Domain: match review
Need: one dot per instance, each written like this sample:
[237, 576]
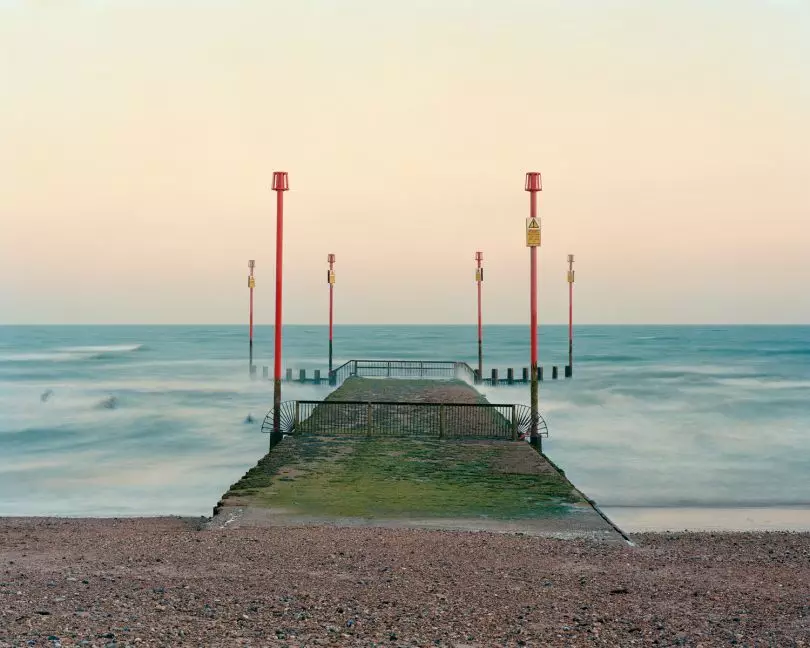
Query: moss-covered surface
[339, 477]
[314, 474]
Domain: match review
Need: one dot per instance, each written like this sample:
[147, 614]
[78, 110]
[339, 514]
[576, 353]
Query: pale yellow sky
[138, 140]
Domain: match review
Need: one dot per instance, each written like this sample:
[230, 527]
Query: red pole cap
[533, 181]
[280, 182]
[330, 258]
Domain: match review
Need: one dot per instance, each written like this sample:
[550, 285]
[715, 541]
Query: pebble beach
[173, 581]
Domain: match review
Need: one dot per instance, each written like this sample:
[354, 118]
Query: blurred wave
[148, 420]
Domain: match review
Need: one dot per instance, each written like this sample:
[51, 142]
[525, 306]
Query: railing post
[317, 376]
[494, 377]
[297, 419]
[289, 374]
[332, 379]
[525, 374]
[369, 424]
[510, 376]
[441, 421]
[265, 372]
[421, 369]
[476, 377]
[389, 369]
[302, 375]
[514, 424]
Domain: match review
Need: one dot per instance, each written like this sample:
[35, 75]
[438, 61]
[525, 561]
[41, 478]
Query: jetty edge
[338, 469]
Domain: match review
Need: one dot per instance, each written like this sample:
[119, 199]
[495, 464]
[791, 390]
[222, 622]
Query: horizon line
[424, 324]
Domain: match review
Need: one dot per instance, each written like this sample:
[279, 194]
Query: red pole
[280, 185]
[251, 285]
[479, 277]
[570, 371]
[533, 185]
[330, 277]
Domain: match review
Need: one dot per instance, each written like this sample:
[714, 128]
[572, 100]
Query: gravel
[166, 582]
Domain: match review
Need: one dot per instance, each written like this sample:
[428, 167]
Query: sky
[138, 142]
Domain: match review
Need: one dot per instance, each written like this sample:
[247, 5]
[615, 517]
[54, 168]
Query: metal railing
[441, 369]
[384, 418]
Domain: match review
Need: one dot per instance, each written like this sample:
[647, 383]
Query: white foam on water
[109, 348]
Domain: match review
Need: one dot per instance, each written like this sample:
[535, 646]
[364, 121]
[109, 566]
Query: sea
[665, 427]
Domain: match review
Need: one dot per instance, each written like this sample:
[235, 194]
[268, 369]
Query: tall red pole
[251, 286]
[280, 185]
[479, 278]
[570, 371]
[533, 185]
[330, 278]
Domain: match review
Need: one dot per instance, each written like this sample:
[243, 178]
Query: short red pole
[533, 185]
[330, 278]
[280, 185]
[251, 285]
[479, 278]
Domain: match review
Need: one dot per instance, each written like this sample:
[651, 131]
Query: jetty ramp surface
[410, 480]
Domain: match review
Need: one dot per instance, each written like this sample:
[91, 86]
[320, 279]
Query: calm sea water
[656, 418]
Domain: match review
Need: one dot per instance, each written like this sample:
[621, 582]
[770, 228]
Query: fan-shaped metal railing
[286, 418]
[523, 414]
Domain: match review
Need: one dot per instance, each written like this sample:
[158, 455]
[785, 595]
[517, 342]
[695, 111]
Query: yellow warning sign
[571, 276]
[330, 276]
[479, 274]
[251, 282]
[532, 232]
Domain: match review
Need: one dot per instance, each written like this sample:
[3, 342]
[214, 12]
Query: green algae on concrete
[327, 478]
[339, 477]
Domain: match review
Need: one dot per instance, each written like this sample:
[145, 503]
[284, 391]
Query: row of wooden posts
[493, 379]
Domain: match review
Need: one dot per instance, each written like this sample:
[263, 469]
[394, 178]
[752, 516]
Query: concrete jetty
[399, 477]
